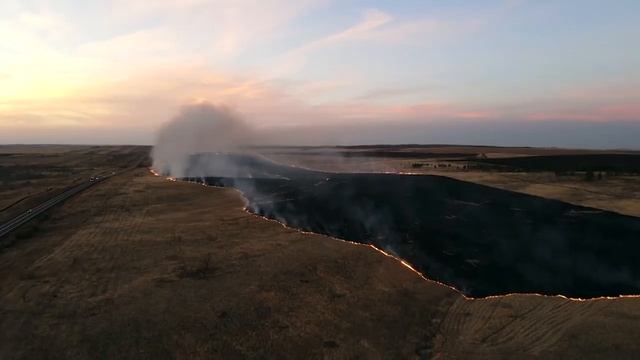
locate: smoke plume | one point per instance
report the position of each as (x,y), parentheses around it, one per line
(200,128)
(482,240)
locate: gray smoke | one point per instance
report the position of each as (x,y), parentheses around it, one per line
(200,128)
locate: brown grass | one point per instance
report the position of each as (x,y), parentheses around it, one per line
(140,267)
(30,174)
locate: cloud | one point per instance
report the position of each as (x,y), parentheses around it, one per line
(131,70)
(371,20)
(44,22)
(616,112)
(143,45)
(425,31)
(147,98)
(390,93)
(294,59)
(221,29)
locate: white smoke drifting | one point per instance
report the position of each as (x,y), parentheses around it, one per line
(199,128)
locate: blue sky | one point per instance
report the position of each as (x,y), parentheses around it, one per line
(98,69)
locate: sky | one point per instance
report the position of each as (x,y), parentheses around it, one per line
(496,72)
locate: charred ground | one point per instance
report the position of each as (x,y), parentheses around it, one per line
(482,240)
(141,267)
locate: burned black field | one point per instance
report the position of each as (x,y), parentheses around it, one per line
(481,240)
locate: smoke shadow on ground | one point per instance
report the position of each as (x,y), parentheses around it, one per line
(481,240)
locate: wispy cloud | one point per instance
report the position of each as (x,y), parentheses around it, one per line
(372,20)
(131,64)
(294,59)
(390,93)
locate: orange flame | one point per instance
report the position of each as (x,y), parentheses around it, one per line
(411,268)
(155,173)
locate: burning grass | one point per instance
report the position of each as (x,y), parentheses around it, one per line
(480,240)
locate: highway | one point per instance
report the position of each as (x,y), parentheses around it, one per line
(26,216)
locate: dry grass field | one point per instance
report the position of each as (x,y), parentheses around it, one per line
(31,173)
(138,267)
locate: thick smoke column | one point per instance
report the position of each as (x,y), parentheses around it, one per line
(199,128)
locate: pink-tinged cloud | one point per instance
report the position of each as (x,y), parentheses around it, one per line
(613,112)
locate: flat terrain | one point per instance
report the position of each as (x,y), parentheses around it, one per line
(617,191)
(482,240)
(30,174)
(142,267)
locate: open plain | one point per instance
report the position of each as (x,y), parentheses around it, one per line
(31,173)
(142,267)
(611,189)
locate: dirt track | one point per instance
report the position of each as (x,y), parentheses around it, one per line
(140,267)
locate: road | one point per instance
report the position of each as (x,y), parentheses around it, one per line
(25,217)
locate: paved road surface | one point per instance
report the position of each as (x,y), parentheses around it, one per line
(25,217)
